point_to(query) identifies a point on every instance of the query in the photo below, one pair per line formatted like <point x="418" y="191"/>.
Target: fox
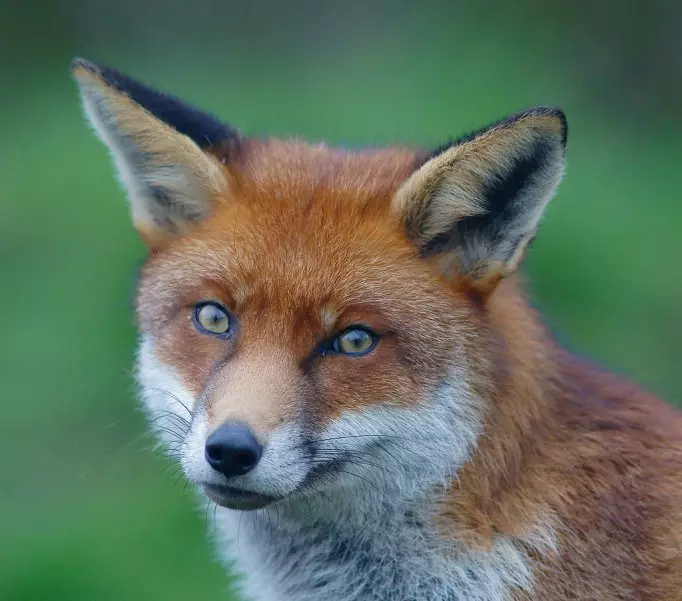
<point x="338" y="347"/>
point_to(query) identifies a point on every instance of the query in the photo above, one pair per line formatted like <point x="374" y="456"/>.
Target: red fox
<point x="337" y="346"/>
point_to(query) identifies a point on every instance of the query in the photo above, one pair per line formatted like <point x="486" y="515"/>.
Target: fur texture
<point x="467" y="456"/>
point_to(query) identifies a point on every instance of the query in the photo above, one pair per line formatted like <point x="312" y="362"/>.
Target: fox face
<point x="313" y="322"/>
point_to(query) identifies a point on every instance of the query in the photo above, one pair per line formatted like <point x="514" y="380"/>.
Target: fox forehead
<point x="301" y="226"/>
<point x="292" y="165"/>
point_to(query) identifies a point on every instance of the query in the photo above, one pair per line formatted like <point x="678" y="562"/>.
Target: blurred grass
<point x="85" y="511"/>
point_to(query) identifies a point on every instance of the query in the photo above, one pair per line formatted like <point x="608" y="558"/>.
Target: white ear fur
<point x="476" y="204"/>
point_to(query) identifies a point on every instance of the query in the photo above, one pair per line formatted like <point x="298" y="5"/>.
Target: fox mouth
<point x="245" y="500"/>
<point x="236" y="498"/>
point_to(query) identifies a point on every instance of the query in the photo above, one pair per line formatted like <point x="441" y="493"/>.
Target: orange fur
<point x="599" y="459"/>
<point x="593" y="455"/>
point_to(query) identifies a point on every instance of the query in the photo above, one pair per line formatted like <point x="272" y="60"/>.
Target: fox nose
<point x="233" y="450"/>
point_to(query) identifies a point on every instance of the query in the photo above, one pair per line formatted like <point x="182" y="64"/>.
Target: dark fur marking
<point x="501" y="194"/>
<point x="502" y="123"/>
<point x="203" y="128"/>
<point x="170" y="206"/>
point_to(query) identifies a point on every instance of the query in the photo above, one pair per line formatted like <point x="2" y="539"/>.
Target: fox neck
<point x="499" y="490"/>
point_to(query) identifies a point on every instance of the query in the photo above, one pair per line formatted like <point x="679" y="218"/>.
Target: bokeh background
<point x="87" y="511"/>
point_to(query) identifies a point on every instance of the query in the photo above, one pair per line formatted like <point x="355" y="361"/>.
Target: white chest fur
<point x="386" y="554"/>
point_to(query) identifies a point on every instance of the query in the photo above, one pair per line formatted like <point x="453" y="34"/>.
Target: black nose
<point x="233" y="450"/>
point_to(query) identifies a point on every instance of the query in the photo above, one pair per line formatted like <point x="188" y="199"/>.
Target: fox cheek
<point x="167" y="401"/>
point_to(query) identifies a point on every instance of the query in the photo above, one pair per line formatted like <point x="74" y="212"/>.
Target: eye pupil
<point x="357" y="340"/>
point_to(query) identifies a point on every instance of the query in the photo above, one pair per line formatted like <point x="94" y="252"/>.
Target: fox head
<point x="316" y="322"/>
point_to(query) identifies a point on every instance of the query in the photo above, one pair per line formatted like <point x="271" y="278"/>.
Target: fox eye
<point x="355" y="341"/>
<point x="211" y="318"/>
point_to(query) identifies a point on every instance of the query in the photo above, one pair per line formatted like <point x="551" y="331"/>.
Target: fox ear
<point x="474" y="205"/>
<point x="162" y="148"/>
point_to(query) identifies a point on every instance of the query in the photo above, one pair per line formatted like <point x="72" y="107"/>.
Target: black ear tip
<point x="204" y="129"/>
<point x="555" y="112"/>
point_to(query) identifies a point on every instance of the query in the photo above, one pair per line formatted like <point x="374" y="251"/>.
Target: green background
<point x="87" y="510"/>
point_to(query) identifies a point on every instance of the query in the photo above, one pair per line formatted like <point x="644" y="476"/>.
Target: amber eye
<point x="211" y="318"/>
<point x="355" y="341"/>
